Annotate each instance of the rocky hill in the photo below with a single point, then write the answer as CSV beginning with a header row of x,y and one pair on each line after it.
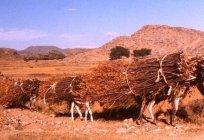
x,y
161,39
40,49
12,54
9,54
75,51
46,49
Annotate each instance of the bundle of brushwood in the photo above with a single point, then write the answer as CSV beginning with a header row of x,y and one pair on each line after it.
x,y
149,75
69,88
117,84
107,85
56,90
19,92
5,84
202,64
47,89
200,74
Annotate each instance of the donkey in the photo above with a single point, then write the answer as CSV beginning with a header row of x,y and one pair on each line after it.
x,y
79,99
167,93
175,94
30,88
70,89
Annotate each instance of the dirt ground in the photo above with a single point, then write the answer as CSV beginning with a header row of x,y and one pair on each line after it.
x,y
16,124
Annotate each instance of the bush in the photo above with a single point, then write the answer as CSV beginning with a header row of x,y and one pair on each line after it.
x,y
142,52
118,52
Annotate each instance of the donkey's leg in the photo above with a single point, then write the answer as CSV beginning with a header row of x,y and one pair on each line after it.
x,y
88,110
175,105
32,103
150,109
72,110
79,112
86,113
142,108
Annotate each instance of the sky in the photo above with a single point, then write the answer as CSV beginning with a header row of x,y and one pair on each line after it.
x,y
89,23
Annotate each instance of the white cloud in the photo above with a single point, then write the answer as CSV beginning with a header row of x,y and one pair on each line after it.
x,y
70,9
20,35
71,37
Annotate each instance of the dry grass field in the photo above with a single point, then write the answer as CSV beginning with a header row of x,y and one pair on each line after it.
x,y
43,69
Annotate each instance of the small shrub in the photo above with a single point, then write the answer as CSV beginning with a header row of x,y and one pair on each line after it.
x,y
118,52
142,52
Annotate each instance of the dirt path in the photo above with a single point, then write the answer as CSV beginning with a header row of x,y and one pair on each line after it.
x,y
22,125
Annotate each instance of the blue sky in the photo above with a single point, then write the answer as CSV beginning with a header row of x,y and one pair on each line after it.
x,y
89,23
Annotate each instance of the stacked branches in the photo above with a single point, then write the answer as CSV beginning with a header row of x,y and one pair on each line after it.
x,y
148,76
69,88
4,84
19,92
5,96
47,89
200,75
107,84
120,85
66,89
201,63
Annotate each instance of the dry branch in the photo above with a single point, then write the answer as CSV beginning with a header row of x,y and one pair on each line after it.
x,y
19,92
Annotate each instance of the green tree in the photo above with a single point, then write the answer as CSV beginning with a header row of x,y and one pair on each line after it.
x,y
142,52
118,52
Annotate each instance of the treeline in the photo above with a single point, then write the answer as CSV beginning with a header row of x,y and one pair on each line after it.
x,y
52,55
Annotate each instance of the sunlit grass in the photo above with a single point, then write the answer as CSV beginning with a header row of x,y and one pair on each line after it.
x,y
43,69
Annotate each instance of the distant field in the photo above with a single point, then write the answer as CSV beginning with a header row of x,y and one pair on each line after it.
x,y
43,69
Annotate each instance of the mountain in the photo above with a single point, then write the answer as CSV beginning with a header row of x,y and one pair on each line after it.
x,y
39,50
75,51
46,49
9,54
162,39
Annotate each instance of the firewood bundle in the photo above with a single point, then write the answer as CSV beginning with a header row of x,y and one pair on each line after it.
x,y
200,75
149,75
201,63
19,92
107,85
70,87
30,86
56,90
118,84
4,83
47,89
